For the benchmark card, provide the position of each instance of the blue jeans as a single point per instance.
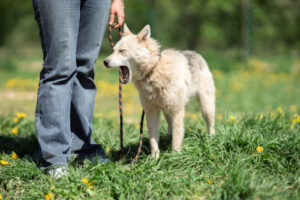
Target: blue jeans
(71, 33)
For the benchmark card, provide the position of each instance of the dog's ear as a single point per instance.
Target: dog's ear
(126, 30)
(145, 33)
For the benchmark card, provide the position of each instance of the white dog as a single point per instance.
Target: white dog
(166, 80)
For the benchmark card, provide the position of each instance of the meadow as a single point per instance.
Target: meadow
(254, 155)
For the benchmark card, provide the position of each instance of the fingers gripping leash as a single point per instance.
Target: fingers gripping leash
(120, 104)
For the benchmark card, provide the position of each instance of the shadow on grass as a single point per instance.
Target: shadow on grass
(130, 150)
(22, 145)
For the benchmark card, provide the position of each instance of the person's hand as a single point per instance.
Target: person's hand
(117, 10)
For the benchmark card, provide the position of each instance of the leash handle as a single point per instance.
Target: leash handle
(112, 44)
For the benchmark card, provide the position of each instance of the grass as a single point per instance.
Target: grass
(254, 155)
(227, 166)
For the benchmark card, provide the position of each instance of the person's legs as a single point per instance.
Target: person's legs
(58, 21)
(93, 22)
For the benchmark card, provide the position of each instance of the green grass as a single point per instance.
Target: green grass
(226, 166)
(229, 160)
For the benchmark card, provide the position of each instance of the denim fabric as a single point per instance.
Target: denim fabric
(71, 33)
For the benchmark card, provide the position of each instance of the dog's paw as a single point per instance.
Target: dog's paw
(155, 155)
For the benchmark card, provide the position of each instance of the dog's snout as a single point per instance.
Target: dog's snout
(105, 62)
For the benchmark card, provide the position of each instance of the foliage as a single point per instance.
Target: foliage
(193, 24)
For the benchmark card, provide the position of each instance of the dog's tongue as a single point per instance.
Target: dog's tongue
(125, 73)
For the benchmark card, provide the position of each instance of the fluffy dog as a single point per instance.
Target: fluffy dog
(166, 80)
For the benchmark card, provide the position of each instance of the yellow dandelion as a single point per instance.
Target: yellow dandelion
(261, 116)
(279, 109)
(231, 118)
(294, 121)
(21, 115)
(293, 108)
(16, 119)
(210, 181)
(91, 186)
(1, 197)
(49, 196)
(193, 116)
(100, 115)
(259, 149)
(14, 131)
(85, 181)
(14, 155)
(213, 156)
(219, 117)
(3, 162)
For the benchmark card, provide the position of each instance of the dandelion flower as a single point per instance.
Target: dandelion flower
(14, 155)
(279, 109)
(261, 116)
(49, 196)
(193, 116)
(85, 181)
(259, 149)
(1, 197)
(231, 118)
(293, 108)
(16, 119)
(14, 131)
(219, 117)
(21, 115)
(210, 181)
(3, 162)
(100, 115)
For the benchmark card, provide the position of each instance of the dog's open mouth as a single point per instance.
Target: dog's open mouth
(125, 74)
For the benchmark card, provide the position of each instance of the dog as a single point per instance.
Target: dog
(166, 81)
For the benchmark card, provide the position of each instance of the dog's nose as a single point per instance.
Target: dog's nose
(105, 62)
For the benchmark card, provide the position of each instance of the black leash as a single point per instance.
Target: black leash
(120, 105)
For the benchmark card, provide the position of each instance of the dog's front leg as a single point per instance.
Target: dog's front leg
(178, 129)
(153, 128)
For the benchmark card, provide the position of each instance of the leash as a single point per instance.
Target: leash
(121, 107)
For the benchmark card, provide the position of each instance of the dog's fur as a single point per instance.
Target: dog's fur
(166, 80)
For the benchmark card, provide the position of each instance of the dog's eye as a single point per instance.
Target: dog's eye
(122, 50)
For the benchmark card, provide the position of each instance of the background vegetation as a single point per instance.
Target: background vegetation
(255, 154)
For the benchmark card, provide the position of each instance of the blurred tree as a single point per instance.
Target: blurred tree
(193, 24)
(10, 13)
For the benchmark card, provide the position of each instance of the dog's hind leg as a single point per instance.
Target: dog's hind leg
(169, 121)
(178, 129)
(153, 128)
(206, 99)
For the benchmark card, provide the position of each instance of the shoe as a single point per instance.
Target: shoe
(58, 172)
